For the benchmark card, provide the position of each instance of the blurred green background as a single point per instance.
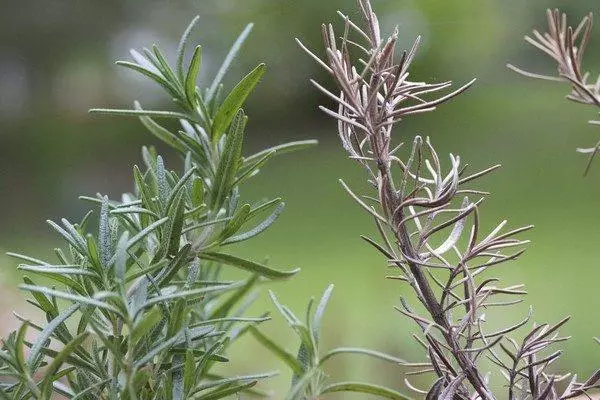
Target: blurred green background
(56, 61)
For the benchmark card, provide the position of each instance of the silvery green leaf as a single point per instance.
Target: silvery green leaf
(104, 234)
(249, 266)
(47, 333)
(121, 257)
(192, 75)
(228, 60)
(234, 101)
(316, 325)
(367, 388)
(279, 351)
(164, 345)
(258, 228)
(182, 46)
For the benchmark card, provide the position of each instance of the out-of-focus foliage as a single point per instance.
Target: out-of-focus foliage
(310, 379)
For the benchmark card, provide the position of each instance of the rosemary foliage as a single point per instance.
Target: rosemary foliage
(430, 227)
(137, 303)
(309, 379)
(566, 46)
(139, 309)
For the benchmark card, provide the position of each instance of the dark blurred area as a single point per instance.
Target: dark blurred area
(57, 61)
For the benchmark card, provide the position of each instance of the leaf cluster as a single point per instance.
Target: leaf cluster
(309, 375)
(137, 302)
(566, 47)
(429, 226)
(139, 308)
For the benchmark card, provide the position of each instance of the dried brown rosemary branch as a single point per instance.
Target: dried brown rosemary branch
(566, 46)
(422, 215)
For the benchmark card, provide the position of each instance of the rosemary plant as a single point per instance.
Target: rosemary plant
(430, 228)
(566, 46)
(137, 305)
(309, 381)
(138, 309)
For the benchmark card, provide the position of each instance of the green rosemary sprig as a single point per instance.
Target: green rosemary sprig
(139, 307)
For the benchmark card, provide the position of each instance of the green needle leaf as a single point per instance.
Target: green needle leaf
(237, 45)
(183, 44)
(47, 333)
(279, 150)
(316, 326)
(279, 351)
(228, 165)
(249, 266)
(192, 75)
(359, 387)
(234, 101)
(142, 113)
(366, 352)
(58, 361)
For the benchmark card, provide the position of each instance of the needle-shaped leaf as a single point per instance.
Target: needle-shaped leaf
(283, 310)
(156, 77)
(144, 191)
(121, 257)
(225, 308)
(189, 371)
(258, 228)
(175, 224)
(104, 234)
(164, 345)
(367, 388)
(235, 48)
(57, 362)
(229, 162)
(367, 352)
(150, 319)
(47, 333)
(68, 296)
(182, 46)
(162, 185)
(77, 242)
(62, 274)
(26, 258)
(145, 232)
(42, 301)
(143, 113)
(300, 385)
(279, 351)
(226, 391)
(316, 325)
(187, 294)
(236, 222)
(234, 101)
(178, 262)
(249, 266)
(192, 76)
(225, 382)
(253, 169)
(159, 131)
(164, 66)
(279, 150)
(197, 192)
(60, 269)
(181, 183)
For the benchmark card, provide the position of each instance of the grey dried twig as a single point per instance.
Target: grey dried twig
(566, 46)
(429, 226)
